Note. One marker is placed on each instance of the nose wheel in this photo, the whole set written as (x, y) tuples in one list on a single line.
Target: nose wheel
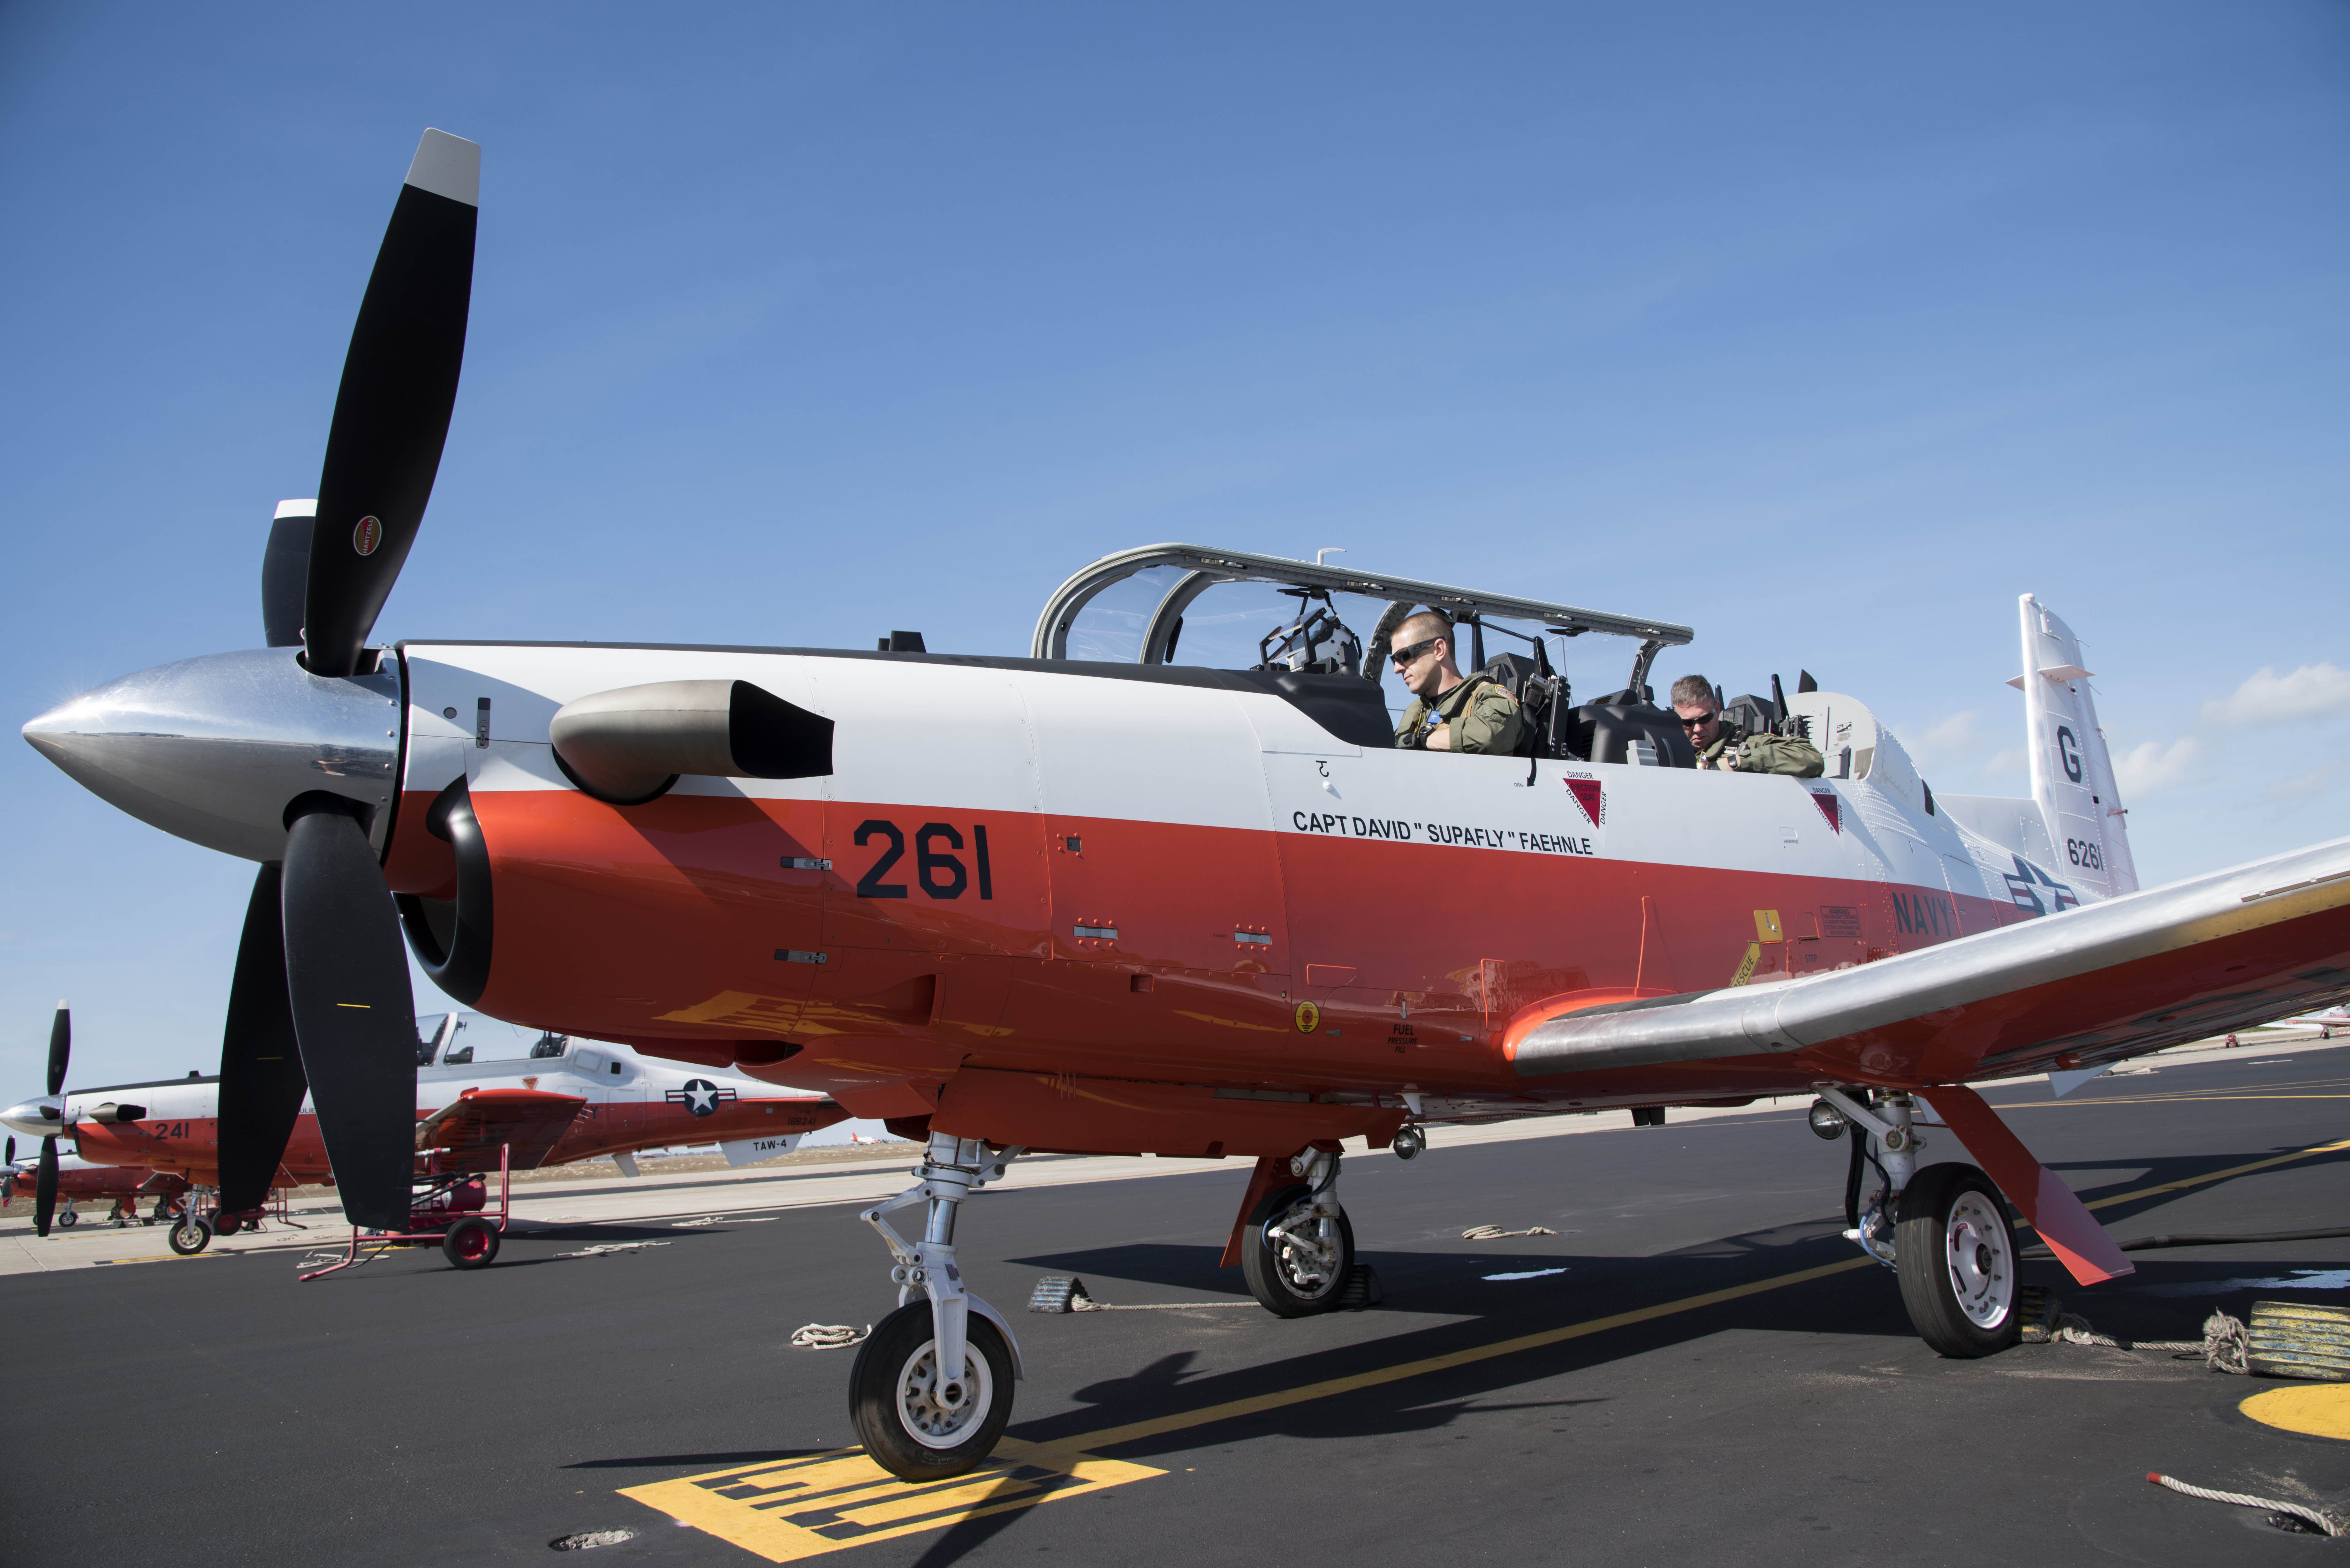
[(914, 1422)]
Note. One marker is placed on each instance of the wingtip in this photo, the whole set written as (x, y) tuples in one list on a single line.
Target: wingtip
[(448, 166)]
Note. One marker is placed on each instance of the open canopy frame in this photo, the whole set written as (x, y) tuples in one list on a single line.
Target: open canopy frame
[(1205, 568)]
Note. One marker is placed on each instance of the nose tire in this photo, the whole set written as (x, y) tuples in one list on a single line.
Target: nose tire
[(192, 1235), (904, 1431)]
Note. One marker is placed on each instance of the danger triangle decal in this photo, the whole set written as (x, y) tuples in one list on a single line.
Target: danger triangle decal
[(1829, 806), (1586, 796)]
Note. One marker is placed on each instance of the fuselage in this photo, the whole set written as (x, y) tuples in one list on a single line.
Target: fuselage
[(1174, 876), (628, 1104)]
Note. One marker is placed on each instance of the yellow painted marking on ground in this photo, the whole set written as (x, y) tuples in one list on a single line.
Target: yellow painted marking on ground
[(829, 1502), (2219, 1175), (2161, 1100), (2317, 1409), (1112, 1436)]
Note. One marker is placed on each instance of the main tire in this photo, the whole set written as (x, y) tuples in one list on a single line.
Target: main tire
[(471, 1244), (892, 1404), (67, 1220), (1955, 1253), (1283, 1277), (192, 1235)]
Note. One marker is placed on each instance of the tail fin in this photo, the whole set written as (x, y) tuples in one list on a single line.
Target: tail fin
[(2072, 774)]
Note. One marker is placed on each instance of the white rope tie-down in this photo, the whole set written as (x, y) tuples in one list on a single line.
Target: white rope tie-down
[(828, 1336), (2325, 1519)]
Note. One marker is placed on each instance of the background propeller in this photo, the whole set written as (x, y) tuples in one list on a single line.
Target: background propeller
[(45, 1183), (320, 1002)]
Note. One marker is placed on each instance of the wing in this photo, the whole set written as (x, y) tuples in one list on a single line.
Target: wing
[(468, 1130), (2091, 984)]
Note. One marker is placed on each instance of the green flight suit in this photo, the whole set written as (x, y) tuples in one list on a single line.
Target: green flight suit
[(1789, 754), (1480, 714)]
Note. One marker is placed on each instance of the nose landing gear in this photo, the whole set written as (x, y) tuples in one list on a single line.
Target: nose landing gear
[(931, 1389)]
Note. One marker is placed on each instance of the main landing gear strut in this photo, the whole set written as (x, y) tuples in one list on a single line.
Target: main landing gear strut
[(1296, 1245), (931, 1390), (1943, 1230)]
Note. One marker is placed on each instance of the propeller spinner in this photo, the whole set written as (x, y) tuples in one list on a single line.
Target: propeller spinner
[(290, 758)]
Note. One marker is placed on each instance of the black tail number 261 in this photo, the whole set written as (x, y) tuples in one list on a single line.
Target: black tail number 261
[(939, 871)]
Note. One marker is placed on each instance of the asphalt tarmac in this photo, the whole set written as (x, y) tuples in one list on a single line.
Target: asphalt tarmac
[(1695, 1366)]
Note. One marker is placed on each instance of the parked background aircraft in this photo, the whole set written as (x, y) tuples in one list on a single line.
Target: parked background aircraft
[(563, 1101), (1014, 904)]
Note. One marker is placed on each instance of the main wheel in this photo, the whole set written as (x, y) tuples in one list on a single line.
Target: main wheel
[(192, 1235), (894, 1397), (1289, 1278), (1955, 1254), (471, 1244), (67, 1220)]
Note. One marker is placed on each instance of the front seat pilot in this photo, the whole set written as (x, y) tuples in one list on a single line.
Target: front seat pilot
[(1451, 712)]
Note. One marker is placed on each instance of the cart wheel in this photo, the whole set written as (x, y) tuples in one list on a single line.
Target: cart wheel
[(471, 1244), (227, 1224), (191, 1235)]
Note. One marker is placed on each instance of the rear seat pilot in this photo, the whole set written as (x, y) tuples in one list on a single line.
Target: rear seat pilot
[(1451, 712), (1721, 750)]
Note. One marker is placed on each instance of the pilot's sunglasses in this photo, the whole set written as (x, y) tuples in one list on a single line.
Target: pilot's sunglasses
[(1406, 655), (1699, 722)]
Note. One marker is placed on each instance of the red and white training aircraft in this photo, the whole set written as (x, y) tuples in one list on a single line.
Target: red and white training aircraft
[(77, 1181), (568, 1100), (1040, 903)]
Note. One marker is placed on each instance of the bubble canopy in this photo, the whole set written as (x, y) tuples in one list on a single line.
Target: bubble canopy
[(1200, 568)]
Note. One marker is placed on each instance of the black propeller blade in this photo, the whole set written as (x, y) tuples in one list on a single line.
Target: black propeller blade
[(352, 1010), (44, 1188), (45, 1183), (60, 1047), (285, 573), (392, 415), (262, 1084)]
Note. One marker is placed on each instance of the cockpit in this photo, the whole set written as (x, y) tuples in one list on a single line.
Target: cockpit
[(1167, 604)]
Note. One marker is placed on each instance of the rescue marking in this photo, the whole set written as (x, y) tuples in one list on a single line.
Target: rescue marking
[(828, 1502), (1309, 1017)]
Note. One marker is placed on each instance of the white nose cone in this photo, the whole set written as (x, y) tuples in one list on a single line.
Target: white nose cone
[(44, 1117), (214, 750)]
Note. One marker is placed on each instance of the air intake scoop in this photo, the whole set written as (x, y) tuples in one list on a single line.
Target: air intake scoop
[(628, 745)]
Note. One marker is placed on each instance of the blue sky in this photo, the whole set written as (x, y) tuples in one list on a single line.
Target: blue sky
[(1825, 328)]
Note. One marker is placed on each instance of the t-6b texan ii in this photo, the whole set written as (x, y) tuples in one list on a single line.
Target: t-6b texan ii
[(567, 1100), (1051, 904)]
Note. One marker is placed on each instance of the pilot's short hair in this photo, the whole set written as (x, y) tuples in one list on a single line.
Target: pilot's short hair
[(1421, 625), (1694, 692)]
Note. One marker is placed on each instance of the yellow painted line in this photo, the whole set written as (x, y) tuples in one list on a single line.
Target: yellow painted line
[(829, 1502), (2181, 1100), (2317, 1409), (2181, 1185), (1135, 1430)]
